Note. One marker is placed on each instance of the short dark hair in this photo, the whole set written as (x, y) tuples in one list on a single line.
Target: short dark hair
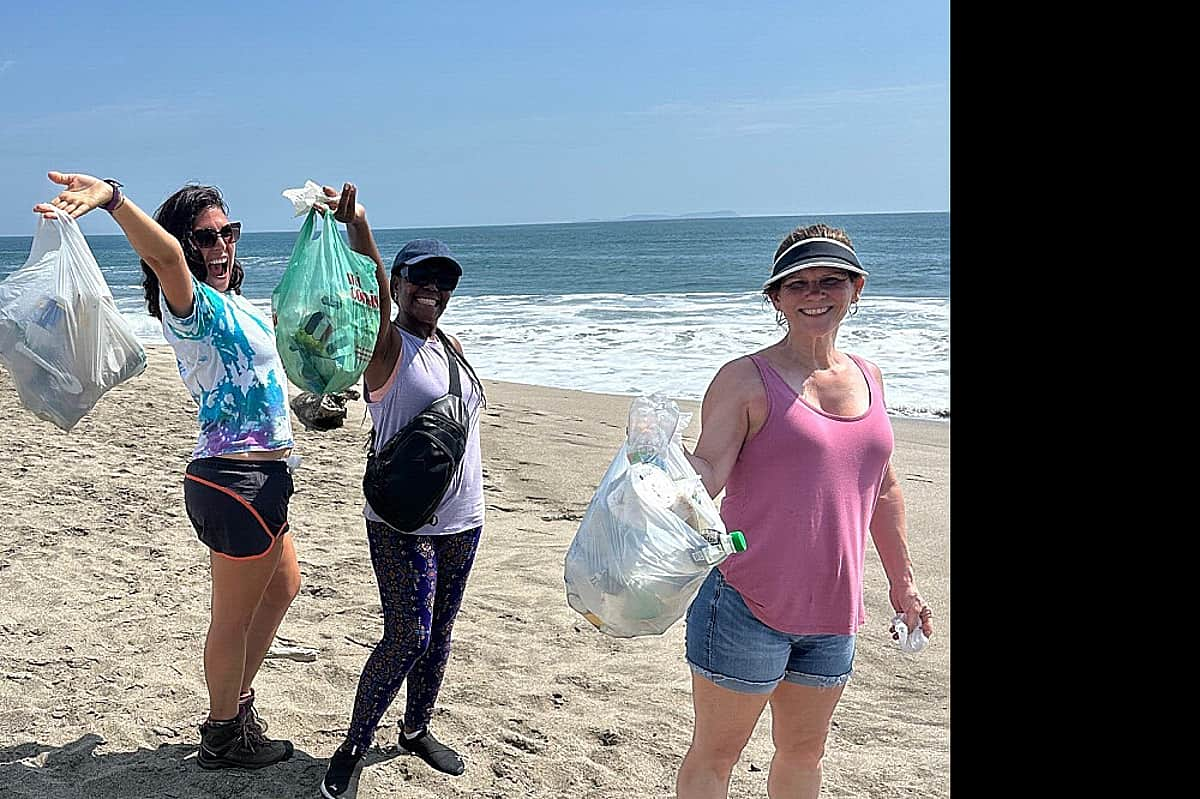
[(176, 215)]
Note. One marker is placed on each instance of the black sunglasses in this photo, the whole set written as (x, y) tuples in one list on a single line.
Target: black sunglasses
[(422, 275), (206, 237)]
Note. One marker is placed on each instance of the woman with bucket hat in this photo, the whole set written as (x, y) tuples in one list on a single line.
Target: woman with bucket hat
[(798, 437)]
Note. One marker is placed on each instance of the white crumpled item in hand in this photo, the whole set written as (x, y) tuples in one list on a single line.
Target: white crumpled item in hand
[(305, 197), (908, 642)]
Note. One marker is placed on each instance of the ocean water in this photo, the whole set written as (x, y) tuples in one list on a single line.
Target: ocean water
[(636, 307)]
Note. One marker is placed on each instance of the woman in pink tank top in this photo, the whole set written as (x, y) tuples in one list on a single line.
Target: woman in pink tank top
[(798, 437)]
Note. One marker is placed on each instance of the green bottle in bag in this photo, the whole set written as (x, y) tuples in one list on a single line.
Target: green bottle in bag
[(326, 310)]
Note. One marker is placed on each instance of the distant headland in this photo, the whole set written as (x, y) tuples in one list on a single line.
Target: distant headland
[(660, 217)]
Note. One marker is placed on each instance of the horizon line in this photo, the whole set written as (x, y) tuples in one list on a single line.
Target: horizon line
[(690, 217)]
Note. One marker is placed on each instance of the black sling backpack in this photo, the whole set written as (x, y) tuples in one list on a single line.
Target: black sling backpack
[(408, 476)]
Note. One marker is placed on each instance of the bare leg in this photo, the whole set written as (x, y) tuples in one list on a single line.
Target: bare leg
[(725, 720), (282, 589), (800, 717), (237, 589)]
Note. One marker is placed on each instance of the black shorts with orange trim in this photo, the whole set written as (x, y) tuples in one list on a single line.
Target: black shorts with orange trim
[(239, 508)]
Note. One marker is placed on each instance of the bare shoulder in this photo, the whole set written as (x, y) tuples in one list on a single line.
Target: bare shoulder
[(734, 409), (388, 351), (737, 372), (393, 348), (738, 380)]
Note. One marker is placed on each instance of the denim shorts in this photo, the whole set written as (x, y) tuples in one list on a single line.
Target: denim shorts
[(730, 647)]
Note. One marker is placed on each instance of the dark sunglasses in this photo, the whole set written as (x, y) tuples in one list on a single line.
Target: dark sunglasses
[(206, 237), (421, 275)]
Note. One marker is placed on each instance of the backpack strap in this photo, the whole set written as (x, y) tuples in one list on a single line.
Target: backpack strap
[(455, 383)]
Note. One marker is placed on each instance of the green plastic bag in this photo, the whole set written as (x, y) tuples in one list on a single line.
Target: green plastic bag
[(326, 310)]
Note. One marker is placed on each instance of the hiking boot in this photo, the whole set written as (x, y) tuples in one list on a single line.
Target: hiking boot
[(248, 717), (341, 770), (232, 744)]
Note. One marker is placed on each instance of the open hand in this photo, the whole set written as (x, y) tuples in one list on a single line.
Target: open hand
[(82, 194)]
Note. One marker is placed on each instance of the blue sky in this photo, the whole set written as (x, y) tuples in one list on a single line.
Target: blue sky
[(458, 113)]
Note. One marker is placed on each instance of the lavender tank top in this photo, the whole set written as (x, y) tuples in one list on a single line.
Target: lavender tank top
[(803, 491), (422, 374)]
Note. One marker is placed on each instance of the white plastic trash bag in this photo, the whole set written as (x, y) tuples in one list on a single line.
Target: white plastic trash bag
[(61, 336), (650, 534)]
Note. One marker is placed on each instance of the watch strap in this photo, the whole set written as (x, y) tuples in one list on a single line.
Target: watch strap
[(117, 196)]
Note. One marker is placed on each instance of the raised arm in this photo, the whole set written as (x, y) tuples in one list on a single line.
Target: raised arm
[(362, 240), (726, 415), (159, 249)]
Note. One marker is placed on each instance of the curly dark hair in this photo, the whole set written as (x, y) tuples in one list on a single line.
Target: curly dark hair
[(177, 214)]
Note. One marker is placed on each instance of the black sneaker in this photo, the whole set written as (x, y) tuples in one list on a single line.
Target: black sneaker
[(433, 752), (236, 745), (341, 770)]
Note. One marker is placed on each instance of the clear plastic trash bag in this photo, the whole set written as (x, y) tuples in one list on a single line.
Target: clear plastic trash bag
[(61, 336), (326, 310), (651, 533)]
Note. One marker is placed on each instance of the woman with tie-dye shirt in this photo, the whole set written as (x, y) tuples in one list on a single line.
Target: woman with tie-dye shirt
[(238, 484)]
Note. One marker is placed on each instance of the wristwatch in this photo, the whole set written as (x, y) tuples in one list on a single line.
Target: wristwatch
[(117, 198)]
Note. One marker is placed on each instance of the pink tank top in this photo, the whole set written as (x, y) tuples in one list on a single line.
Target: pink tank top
[(803, 491)]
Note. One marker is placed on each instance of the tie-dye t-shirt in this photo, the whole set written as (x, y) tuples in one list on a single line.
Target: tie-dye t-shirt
[(227, 358)]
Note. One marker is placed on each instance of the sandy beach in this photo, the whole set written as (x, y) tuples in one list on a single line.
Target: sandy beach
[(104, 598)]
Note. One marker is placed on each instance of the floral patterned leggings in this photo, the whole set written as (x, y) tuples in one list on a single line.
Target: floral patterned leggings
[(421, 582)]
